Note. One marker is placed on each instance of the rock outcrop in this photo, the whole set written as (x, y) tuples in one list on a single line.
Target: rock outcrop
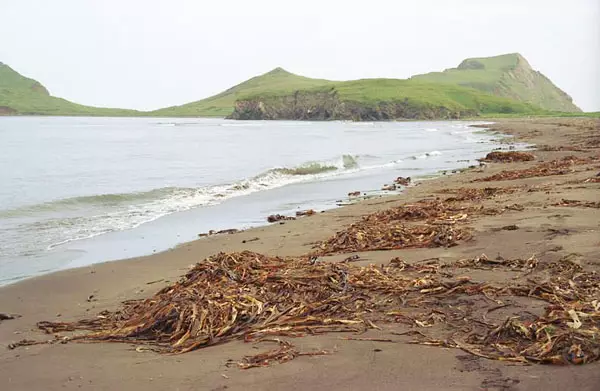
[(5, 110), (326, 105)]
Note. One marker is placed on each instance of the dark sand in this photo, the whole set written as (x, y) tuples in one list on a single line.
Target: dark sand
[(355, 365)]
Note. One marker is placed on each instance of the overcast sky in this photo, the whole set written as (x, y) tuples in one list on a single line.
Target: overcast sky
[(148, 54)]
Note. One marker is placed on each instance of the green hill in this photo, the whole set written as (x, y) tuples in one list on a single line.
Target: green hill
[(20, 95), (277, 81), (509, 76), (375, 99), (422, 99)]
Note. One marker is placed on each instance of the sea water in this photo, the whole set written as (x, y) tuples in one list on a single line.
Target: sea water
[(75, 191)]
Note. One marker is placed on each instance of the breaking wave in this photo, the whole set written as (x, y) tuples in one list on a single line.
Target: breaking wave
[(66, 220)]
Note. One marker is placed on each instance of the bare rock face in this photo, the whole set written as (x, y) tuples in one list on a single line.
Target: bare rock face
[(326, 105), (5, 110)]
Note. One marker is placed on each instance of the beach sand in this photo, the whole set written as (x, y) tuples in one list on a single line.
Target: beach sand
[(549, 232)]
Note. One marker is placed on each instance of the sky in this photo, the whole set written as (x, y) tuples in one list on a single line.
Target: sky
[(150, 54)]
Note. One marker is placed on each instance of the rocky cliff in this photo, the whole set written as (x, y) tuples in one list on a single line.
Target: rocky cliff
[(322, 106)]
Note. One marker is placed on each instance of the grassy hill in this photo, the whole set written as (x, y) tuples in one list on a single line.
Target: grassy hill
[(509, 76), (278, 81), (375, 99), (20, 95)]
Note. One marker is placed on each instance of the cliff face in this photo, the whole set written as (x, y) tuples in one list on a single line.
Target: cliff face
[(322, 106), (5, 110)]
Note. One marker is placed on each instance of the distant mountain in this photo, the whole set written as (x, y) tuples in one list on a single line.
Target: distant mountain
[(508, 75), (20, 95)]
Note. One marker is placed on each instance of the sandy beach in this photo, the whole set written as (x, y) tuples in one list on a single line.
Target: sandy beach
[(543, 226)]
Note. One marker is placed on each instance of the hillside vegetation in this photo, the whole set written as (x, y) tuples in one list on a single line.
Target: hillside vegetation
[(508, 75), (501, 85), (20, 95), (278, 81)]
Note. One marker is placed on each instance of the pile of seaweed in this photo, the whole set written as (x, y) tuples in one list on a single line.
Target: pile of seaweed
[(508, 157), (388, 229), (252, 297), (555, 167)]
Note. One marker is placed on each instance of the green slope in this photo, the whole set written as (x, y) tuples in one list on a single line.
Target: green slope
[(20, 95), (453, 97), (278, 81), (376, 99), (508, 75)]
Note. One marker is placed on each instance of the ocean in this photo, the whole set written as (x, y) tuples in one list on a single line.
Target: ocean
[(76, 191)]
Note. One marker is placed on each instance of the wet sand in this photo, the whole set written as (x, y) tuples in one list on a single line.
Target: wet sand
[(549, 232)]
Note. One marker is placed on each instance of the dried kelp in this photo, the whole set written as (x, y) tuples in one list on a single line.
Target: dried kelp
[(508, 157), (577, 203), (253, 297), (475, 194), (363, 236), (554, 167), (385, 230), (283, 353)]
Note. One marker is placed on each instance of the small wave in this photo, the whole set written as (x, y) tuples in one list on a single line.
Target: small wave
[(346, 162), (426, 155), (89, 216), (431, 130)]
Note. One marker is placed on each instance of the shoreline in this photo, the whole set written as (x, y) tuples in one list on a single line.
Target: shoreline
[(83, 292), (116, 250)]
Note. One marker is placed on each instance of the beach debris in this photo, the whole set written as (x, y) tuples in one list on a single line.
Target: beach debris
[(508, 157), (352, 258), (253, 297), (278, 217), (595, 179), (308, 212), (476, 194), (251, 240), (402, 181), (554, 148), (577, 203), (555, 167), (283, 353), (363, 236), (7, 316), (354, 194), (388, 229), (221, 232), (391, 187)]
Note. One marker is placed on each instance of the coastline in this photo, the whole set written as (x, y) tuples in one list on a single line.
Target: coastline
[(68, 293), (149, 217)]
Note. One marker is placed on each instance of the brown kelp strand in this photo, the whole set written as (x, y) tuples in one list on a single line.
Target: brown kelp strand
[(577, 203), (554, 167), (253, 297), (475, 194)]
